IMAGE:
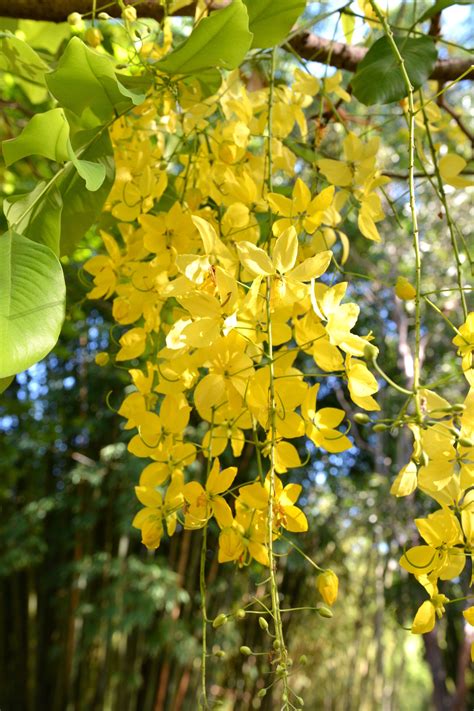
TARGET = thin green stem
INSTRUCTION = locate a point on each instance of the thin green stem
(202, 584)
(412, 200)
(203, 591)
(389, 380)
(442, 196)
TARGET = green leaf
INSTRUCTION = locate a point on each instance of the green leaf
(209, 80)
(45, 135)
(81, 207)
(46, 36)
(271, 20)
(378, 79)
(441, 5)
(134, 87)
(220, 40)
(5, 382)
(19, 59)
(35, 218)
(93, 173)
(85, 83)
(32, 297)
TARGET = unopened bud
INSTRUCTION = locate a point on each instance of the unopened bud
(299, 700)
(276, 645)
(324, 611)
(102, 358)
(245, 651)
(380, 427)
(303, 660)
(361, 418)
(219, 620)
(370, 352)
(261, 693)
(240, 614)
(280, 669)
(129, 14)
(93, 37)
(75, 18)
(404, 290)
(104, 16)
(328, 585)
(220, 654)
(459, 407)
(465, 442)
(263, 623)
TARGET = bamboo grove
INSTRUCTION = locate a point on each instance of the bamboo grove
(225, 254)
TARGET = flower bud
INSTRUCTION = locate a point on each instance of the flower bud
(361, 418)
(220, 654)
(103, 16)
(93, 37)
(328, 585)
(240, 614)
(404, 290)
(102, 358)
(276, 645)
(261, 693)
(324, 611)
(129, 14)
(465, 442)
(370, 352)
(303, 660)
(75, 18)
(263, 623)
(219, 620)
(380, 427)
(245, 651)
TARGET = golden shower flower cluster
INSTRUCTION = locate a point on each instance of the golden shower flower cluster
(208, 284)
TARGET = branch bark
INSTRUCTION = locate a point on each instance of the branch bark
(306, 44)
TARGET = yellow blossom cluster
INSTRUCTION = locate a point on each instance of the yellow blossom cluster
(442, 466)
(222, 282)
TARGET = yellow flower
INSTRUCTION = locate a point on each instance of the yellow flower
(425, 617)
(302, 211)
(207, 502)
(465, 343)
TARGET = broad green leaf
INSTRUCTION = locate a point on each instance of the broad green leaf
(32, 297)
(378, 79)
(19, 59)
(209, 79)
(5, 382)
(441, 5)
(85, 83)
(82, 207)
(135, 88)
(271, 20)
(220, 40)
(45, 36)
(92, 173)
(37, 219)
(45, 135)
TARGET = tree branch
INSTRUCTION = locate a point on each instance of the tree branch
(306, 44)
(344, 56)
